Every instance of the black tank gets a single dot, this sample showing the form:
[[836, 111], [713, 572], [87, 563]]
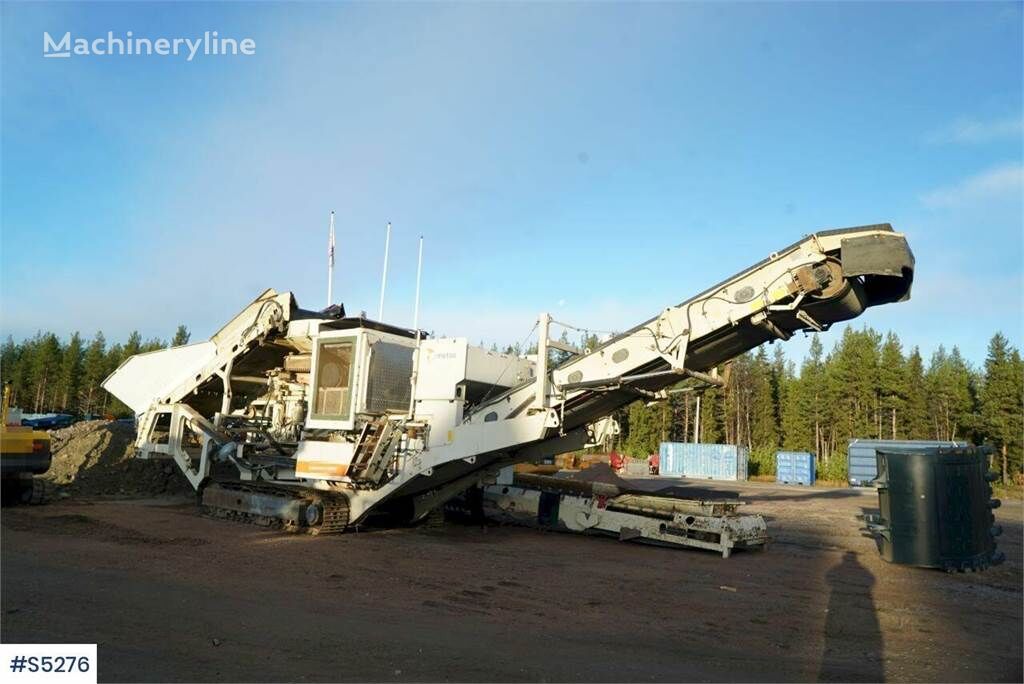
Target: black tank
[[936, 508]]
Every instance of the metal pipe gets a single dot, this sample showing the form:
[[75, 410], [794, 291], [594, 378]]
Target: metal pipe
[[330, 263], [416, 307], [704, 377], [384, 277], [696, 423], [616, 382], [542, 360], [254, 379], [416, 327]]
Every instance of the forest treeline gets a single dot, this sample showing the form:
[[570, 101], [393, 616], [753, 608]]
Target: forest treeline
[[48, 375], [866, 387]]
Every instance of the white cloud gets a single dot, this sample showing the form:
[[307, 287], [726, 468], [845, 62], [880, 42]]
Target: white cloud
[[969, 131], [998, 183]]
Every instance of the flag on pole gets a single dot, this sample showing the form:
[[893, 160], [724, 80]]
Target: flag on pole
[[330, 263], [330, 244]]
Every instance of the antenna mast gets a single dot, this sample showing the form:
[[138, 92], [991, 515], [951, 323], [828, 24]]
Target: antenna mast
[[330, 263], [416, 308], [384, 277], [416, 327]]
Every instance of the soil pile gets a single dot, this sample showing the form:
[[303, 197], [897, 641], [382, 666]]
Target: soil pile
[[95, 458]]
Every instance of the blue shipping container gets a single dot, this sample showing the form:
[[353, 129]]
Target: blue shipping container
[[861, 467], [703, 461], [794, 467]]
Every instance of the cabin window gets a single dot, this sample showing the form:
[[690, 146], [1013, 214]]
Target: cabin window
[[334, 380]]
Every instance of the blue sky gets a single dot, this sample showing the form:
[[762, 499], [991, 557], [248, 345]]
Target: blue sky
[[600, 161]]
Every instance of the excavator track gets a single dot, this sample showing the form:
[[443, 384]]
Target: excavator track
[[293, 509]]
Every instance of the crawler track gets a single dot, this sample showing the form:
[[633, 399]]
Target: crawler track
[[293, 509]]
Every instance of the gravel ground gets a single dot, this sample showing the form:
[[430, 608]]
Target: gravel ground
[[171, 596]]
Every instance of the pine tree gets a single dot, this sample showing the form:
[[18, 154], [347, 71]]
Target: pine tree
[[1015, 416], [950, 395], [797, 428], [589, 342], [133, 346], [682, 405], [71, 372], [108, 404], [736, 401], [181, 336], [94, 370], [964, 397], [813, 398], [916, 420], [852, 391], [19, 377], [1002, 404], [644, 430], [712, 413], [45, 370], [9, 354], [764, 434], [152, 345], [892, 379], [44, 365], [781, 379]]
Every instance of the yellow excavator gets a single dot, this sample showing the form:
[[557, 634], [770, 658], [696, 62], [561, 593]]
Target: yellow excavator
[[24, 453]]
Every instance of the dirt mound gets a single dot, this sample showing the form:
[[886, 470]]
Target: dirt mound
[[95, 458]]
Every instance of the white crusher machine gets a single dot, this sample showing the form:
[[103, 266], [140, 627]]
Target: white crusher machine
[[313, 420]]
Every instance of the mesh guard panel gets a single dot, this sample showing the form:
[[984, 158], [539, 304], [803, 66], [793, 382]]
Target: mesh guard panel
[[388, 379]]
